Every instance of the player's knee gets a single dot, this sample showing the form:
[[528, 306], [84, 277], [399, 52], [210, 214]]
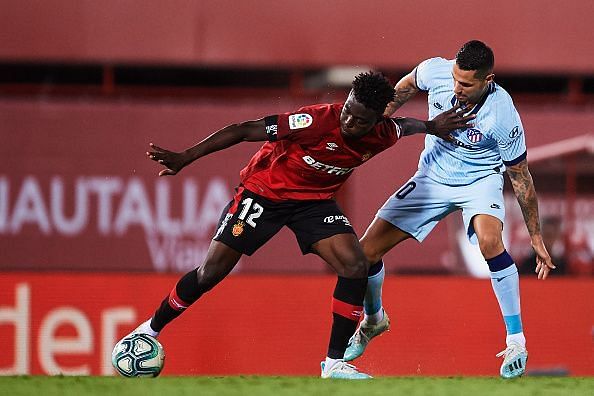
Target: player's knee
[[372, 255], [355, 269], [490, 245]]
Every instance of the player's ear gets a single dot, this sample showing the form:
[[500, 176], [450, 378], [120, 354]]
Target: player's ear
[[490, 77]]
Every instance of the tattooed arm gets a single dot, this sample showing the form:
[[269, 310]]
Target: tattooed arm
[[521, 181], [406, 88]]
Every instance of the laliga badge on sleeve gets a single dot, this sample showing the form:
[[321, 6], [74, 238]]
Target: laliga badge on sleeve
[[300, 121]]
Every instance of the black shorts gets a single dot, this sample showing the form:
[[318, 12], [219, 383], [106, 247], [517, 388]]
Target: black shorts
[[249, 221]]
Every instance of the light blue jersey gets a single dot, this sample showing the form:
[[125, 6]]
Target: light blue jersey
[[496, 140]]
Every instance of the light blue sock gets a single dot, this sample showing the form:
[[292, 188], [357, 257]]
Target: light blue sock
[[373, 296], [506, 285]]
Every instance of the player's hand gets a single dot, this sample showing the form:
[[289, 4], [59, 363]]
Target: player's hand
[[172, 161], [544, 263], [448, 121]]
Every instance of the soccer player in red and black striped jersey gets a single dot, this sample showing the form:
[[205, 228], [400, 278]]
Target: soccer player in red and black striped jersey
[[291, 181]]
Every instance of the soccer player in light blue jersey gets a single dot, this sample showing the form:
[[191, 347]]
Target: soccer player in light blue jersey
[[462, 172]]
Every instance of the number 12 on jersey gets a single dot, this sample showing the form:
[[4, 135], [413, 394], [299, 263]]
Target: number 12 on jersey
[[256, 211]]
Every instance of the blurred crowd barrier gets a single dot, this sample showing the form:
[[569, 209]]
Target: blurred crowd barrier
[[78, 193], [68, 323]]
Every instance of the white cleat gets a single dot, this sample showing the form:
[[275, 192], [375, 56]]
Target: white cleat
[[365, 332], [514, 361], [343, 370]]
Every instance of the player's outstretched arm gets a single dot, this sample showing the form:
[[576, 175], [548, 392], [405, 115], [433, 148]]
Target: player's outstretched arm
[[523, 186], [248, 131], [440, 126], [406, 88]]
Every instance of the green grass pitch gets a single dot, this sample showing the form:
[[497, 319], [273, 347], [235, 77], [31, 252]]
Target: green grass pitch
[[280, 386]]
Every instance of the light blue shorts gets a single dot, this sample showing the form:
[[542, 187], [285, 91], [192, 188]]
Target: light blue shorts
[[421, 203]]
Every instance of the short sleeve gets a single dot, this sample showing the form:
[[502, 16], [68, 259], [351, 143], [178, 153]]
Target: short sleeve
[[271, 127], [304, 122], [509, 134], [425, 72], [282, 125]]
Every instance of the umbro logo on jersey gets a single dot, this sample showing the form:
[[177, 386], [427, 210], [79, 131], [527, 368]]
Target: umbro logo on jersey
[[331, 146], [438, 106], [495, 206]]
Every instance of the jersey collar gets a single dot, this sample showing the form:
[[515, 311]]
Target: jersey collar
[[476, 108]]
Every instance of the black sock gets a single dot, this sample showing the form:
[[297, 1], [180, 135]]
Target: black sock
[[347, 308], [375, 268], [184, 294]]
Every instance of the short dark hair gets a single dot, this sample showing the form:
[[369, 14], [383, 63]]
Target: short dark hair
[[373, 90], [476, 55]]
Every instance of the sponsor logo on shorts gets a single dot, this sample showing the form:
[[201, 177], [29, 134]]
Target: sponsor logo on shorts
[[331, 146], [495, 206], [299, 121], [336, 219], [336, 170], [438, 106], [237, 229]]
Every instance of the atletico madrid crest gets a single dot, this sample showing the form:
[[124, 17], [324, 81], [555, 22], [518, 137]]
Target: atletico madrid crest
[[474, 135], [237, 228]]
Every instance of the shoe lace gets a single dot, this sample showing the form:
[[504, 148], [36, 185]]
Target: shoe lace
[[344, 366], [508, 351], [359, 337], [504, 352]]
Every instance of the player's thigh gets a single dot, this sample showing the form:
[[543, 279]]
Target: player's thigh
[[484, 197], [314, 221], [379, 238], [249, 221], [418, 206]]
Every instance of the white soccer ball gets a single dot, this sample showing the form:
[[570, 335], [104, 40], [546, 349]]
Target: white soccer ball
[[138, 355]]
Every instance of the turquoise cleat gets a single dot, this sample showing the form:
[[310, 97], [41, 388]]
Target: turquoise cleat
[[514, 361], [365, 332], [343, 370]]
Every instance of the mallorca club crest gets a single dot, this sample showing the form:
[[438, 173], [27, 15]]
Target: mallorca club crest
[[237, 229], [366, 156], [474, 135]]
